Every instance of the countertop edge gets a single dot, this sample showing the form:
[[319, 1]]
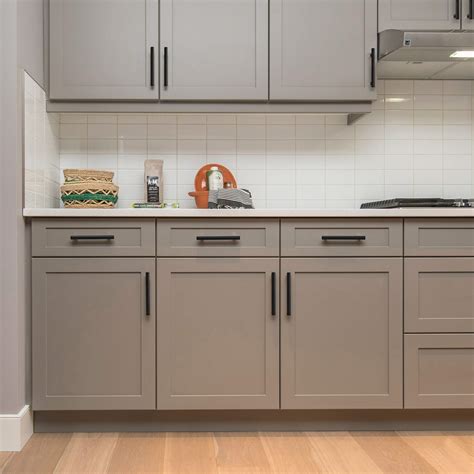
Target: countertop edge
[[251, 213]]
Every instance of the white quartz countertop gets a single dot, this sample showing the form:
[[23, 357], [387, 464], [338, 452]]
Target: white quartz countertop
[[249, 213]]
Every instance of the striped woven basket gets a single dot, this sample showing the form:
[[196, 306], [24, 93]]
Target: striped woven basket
[[97, 194], [83, 175]]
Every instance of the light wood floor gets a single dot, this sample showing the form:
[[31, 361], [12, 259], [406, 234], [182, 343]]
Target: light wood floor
[[245, 453]]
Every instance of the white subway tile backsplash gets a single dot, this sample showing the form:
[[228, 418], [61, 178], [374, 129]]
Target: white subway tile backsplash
[[191, 131], [250, 131], [310, 147], [428, 162], [132, 131], [221, 147], [416, 142], [221, 131], [428, 102], [41, 148], [97, 118], [159, 147], [101, 130], [428, 87], [280, 132], [162, 131], [457, 102]]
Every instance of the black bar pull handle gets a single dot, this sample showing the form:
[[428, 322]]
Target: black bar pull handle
[[457, 9], [372, 67], [152, 66], [217, 237], [273, 294], [92, 237], [343, 237], [288, 294], [147, 294], [470, 13], [165, 66]]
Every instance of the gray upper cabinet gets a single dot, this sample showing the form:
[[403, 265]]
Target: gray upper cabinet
[[104, 50], [419, 15], [321, 49], [217, 333], [467, 20], [341, 333], [214, 49], [93, 333]]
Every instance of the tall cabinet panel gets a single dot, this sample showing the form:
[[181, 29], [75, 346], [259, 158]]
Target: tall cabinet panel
[[93, 333], [104, 50], [217, 333], [321, 49], [341, 333], [214, 49], [419, 14]]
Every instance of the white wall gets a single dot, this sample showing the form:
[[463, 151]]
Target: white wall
[[416, 142]]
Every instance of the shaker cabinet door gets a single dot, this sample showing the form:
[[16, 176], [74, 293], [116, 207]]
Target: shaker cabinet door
[[93, 333], [104, 50], [217, 333], [214, 49], [467, 15], [321, 49], [341, 333], [419, 14]]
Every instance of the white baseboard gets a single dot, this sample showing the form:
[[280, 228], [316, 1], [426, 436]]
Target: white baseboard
[[15, 430]]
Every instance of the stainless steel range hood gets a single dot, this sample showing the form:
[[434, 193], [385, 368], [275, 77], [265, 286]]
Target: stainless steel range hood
[[425, 55]]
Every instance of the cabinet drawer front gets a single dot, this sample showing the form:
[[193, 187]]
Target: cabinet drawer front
[[341, 238], [439, 371], [217, 238], [436, 237], [439, 294], [93, 238]]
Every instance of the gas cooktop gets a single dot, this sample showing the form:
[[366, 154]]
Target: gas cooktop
[[417, 202]]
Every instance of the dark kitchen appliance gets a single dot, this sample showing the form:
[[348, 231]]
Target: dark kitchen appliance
[[417, 202]]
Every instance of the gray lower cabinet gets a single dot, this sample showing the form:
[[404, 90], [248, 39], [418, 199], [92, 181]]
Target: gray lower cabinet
[[439, 294], [217, 333], [103, 50], [439, 371], [93, 333], [321, 49], [214, 50], [341, 333], [422, 15]]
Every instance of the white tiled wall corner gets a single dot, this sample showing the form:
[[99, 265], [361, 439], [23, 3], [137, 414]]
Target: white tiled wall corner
[[41, 149], [416, 142]]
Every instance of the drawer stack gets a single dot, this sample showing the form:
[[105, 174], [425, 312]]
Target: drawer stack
[[439, 313]]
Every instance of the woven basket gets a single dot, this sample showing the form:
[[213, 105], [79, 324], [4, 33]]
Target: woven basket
[[83, 176], [90, 194]]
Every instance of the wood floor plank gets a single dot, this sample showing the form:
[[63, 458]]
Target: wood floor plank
[[392, 454], [87, 453], [465, 439], [338, 452], [241, 453], [4, 457], [440, 451], [40, 455], [138, 453], [190, 453], [289, 453]]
